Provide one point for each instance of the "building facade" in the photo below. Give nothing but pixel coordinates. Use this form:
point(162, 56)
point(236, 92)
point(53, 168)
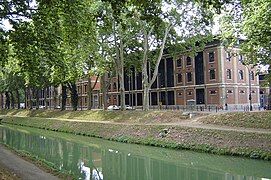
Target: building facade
point(215, 77)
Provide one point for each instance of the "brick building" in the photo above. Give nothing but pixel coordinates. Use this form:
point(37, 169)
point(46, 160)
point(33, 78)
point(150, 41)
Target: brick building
point(213, 78)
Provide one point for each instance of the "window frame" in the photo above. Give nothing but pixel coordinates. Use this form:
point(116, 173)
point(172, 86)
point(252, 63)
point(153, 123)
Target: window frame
point(212, 92)
point(228, 73)
point(179, 78)
point(190, 61)
point(240, 58)
point(241, 74)
point(178, 63)
point(211, 58)
point(228, 56)
point(189, 76)
point(212, 74)
point(252, 76)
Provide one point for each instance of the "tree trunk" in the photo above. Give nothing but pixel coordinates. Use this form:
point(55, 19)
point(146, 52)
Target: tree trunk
point(105, 84)
point(89, 90)
point(146, 103)
point(1, 101)
point(18, 98)
point(25, 97)
point(104, 92)
point(37, 98)
point(7, 100)
point(12, 100)
point(45, 97)
point(54, 97)
point(64, 97)
point(121, 78)
point(74, 96)
point(30, 106)
point(145, 80)
point(120, 69)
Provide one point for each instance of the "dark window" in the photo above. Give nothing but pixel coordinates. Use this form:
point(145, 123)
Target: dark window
point(228, 56)
point(161, 74)
point(139, 81)
point(85, 89)
point(229, 91)
point(228, 74)
point(211, 56)
point(242, 91)
point(190, 93)
point(212, 91)
point(199, 69)
point(241, 75)
point(179, 62)
point(115, 85)
point(212, 74)
point(179, 78)
point(180, 93)
point(169, 72)
point(252, 75)
point(240, 58)
point(189, 77)
point(188, 61)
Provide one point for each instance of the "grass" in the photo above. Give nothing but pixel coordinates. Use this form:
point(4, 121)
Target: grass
point(98, 115)
point(260, 119)
point(251, 145)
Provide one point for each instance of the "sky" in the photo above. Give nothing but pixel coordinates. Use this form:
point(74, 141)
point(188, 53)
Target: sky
point(6, 25)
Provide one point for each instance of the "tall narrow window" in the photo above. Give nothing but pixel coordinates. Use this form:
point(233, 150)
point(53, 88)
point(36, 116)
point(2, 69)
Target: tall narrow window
point(179, 62)
point(228, 56)
point(189, 77)
point(228, 74)
point(240, 58)
point(212, 74)
point(241, 75)
point(211, 56)
point(115, 85)
point(188, 61)
point(179, 78)
point(252, 75)
point(85, 89)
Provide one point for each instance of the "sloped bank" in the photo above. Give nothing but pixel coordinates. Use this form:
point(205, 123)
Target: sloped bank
point(252, 145)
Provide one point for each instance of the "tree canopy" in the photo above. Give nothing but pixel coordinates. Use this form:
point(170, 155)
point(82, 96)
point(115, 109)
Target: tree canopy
point(250, 22)
point(61, 41)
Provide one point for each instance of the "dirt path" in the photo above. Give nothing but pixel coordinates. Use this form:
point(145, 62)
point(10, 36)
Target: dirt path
point(193, 123)
point(21, 168)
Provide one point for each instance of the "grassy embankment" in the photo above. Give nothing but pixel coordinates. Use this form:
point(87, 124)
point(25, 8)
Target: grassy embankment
point(252, 145)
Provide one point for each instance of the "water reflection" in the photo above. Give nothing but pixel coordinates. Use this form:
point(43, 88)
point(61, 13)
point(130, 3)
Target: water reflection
point(95, 159)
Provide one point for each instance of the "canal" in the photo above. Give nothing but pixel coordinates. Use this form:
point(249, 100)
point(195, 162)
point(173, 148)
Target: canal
point(96, 159)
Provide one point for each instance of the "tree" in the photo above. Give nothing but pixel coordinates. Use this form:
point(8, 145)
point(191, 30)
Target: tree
point(247, 25)
point(160, 29)
point(249, 21)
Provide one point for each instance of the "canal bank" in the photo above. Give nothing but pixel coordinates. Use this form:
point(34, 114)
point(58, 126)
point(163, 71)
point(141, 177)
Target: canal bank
point(94, 158)
point(254, 143)
point(15, 167)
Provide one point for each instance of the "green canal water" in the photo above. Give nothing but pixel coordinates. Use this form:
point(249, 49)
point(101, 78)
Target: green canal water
point(96, 159)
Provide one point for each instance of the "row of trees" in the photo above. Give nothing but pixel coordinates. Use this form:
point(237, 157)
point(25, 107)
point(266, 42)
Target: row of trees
point(59, 42)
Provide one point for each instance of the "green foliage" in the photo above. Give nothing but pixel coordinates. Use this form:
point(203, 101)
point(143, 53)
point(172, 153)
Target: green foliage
point(250, 21)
